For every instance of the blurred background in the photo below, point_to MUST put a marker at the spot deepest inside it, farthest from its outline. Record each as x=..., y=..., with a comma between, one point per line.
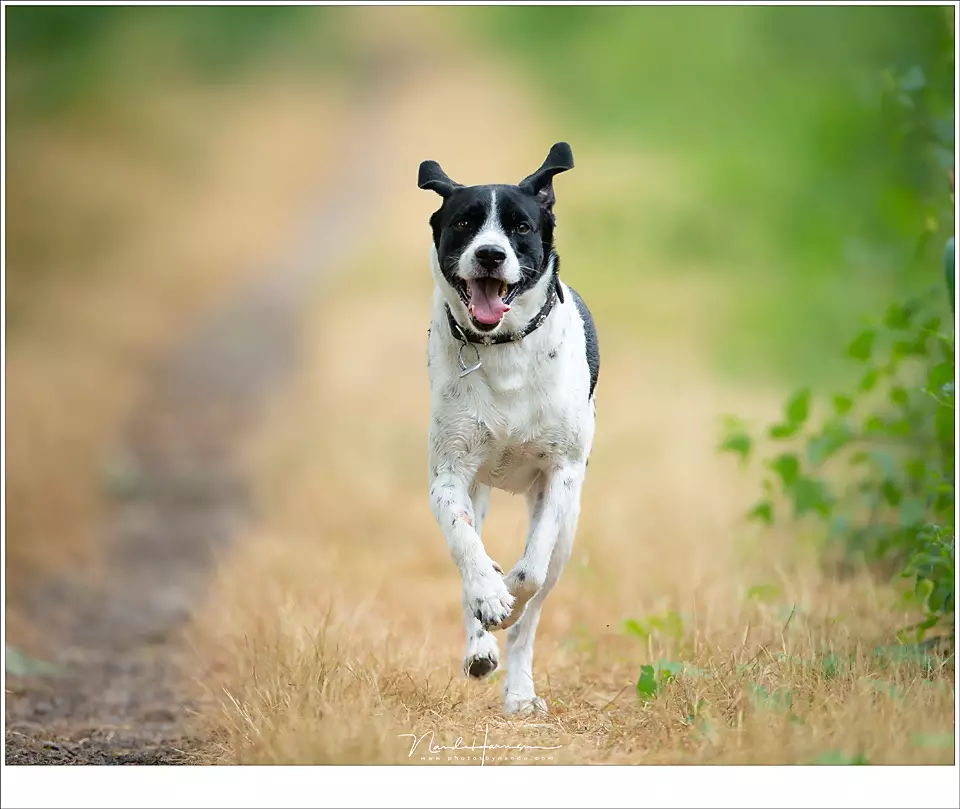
x=753, y=186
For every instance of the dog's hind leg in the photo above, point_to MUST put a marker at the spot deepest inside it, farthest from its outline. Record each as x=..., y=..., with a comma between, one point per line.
x=555, y=511
x=483, y=655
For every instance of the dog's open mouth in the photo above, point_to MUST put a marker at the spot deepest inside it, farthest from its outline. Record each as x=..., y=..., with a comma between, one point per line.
x=487, y=299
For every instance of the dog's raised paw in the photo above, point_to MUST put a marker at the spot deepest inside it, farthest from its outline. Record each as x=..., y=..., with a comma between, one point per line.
x=490, y=602
x=522, y=587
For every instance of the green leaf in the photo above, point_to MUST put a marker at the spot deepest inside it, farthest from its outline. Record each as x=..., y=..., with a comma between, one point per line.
x=869, y=380
x=911, y=348
x=810, y=495
x=899, y=396
x=830, y=666
x=862, y=346
x=670, y=624
x=783, y=430
x=787, y=466
x=875, y=425
x=798, y=407
x=842, y=404
x=945, y=423
x=762, y=511
x=831, y=439
x=891, y=493
x=898, y=317
x=739, y=444
x=940, y=375
x=648, y=686
x=633, y=627
x=668, y=670
x=837, y=758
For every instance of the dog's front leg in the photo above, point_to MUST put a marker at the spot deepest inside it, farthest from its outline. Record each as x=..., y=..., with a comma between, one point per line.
x=485, y=596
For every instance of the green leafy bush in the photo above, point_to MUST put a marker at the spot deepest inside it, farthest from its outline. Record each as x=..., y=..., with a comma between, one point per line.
x=876, y=468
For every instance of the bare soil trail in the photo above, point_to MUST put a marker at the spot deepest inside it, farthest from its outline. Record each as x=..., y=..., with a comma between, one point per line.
x=119, y=696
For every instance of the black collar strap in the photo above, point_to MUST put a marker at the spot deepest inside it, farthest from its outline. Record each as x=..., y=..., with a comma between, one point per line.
x=507, y=337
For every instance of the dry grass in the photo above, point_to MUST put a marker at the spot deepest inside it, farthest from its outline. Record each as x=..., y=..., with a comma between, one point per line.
x=335, y=628
x=123, y=227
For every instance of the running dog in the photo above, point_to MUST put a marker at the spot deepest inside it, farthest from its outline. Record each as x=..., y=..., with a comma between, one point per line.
x=513, y=363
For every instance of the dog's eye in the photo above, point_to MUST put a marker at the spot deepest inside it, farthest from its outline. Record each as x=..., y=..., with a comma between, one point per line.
x=460, y=224
x=523, y=228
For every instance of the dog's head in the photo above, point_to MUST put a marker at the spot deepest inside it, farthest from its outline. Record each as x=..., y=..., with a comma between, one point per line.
x=494, y=243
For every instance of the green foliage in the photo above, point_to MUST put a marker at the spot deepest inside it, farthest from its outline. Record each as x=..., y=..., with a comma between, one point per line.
x=878, y=467
x=653, y=679
x=848, y=113
x=61, y=56
x=839, y=758
x=669, y=625
x=779, y=699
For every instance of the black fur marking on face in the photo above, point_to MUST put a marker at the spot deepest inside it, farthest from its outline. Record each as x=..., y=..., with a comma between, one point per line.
x=521, y=576
x=553, y=354
x=524, y=214
x=592, y=346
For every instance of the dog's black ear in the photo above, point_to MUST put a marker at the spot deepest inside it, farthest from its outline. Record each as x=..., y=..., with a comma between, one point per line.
x=540, y=183
x=434, y=178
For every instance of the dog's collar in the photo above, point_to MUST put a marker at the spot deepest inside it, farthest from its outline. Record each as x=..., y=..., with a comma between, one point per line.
x=508, y=337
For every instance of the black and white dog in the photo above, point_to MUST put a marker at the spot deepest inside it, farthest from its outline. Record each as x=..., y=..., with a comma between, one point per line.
x=513, y=362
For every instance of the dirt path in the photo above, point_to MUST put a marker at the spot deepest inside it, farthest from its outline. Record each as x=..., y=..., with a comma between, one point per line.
x=119, y=697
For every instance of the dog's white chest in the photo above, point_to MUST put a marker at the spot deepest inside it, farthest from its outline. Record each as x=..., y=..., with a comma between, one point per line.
x=526, y=409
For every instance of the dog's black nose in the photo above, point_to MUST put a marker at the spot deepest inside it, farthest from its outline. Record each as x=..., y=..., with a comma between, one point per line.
x=490, y=257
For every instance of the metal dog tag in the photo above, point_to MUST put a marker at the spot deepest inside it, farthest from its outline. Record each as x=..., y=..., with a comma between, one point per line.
x=464, y=368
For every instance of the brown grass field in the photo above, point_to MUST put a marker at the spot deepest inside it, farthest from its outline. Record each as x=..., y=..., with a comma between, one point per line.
x=332, y=630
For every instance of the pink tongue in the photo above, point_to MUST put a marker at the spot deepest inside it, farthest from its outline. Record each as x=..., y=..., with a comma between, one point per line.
x=486, y=305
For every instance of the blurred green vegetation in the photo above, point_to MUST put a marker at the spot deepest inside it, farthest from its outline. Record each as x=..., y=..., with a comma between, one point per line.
x=799, y=136
x=60, y=58
x=812, y=185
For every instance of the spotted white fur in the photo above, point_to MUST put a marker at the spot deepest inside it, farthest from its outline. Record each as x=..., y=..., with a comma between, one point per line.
x=524, y=422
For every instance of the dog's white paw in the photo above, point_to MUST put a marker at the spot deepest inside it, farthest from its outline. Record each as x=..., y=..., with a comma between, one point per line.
x=523, y=704
x=522, y=587
x=482, y=657
x=489, y=599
